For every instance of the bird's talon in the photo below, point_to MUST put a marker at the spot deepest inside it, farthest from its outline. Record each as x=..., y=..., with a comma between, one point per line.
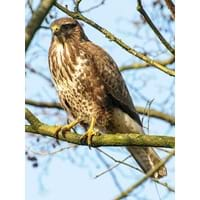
x=88, y=137
x=68, y=127
x=65, y=129
x=58, y=129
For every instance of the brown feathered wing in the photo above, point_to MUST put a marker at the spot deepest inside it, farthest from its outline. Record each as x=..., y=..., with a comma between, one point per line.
x=115, y=86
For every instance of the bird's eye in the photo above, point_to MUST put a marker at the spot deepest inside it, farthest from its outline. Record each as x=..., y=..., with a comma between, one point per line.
x=65, y=26
x=68, y=26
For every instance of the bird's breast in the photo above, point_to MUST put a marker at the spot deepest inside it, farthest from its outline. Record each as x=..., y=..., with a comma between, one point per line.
x=67, y=65
x=78, y=85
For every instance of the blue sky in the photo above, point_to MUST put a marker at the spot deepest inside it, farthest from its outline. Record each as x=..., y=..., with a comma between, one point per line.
x=58, y=177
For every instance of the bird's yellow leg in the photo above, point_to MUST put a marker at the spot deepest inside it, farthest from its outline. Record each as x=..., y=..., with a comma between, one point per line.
x=67, y=127
x=89, y=133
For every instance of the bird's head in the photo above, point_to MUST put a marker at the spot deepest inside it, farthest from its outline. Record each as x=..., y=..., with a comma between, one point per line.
x=67, y=28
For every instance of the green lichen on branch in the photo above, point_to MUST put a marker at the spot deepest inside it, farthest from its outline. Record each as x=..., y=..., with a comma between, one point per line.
x=117, y=139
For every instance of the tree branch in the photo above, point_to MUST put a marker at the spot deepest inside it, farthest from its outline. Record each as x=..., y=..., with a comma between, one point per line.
x=153, y=27
x=77, y=3
x=109, y=35
x=122, y=162
x=43, y=104
x=149, y=112
x=166, y=185
x=145, y=65
x=33, y=70
x=171, y=7
x=117, y=139
x=142, y=180
x=93, y=7
x=156, y=114
x=36, y=20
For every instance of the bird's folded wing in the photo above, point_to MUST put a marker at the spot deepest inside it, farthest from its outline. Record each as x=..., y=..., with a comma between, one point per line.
x=114, y=82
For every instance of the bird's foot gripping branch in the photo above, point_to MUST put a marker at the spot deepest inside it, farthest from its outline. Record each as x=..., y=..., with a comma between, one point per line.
x=126, y=139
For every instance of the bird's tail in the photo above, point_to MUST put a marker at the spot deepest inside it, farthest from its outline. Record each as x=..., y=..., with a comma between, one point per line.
x=147, y=158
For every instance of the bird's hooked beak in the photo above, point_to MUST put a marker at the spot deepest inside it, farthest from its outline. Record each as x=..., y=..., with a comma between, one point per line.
x=55, y=28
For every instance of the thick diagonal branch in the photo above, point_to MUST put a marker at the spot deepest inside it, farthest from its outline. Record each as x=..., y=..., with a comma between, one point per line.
x=117, y=139
x=109, y=35
x=36, y=20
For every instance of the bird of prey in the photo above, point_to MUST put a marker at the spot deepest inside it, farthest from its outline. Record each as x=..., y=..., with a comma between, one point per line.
x=92, y=91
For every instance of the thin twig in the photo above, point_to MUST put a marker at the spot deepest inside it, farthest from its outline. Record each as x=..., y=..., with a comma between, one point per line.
x=171, y=189
x=151, y=112
x=111, y=168
x=32, y=70
x=166, y=185
x=43, y=104
x=156, y=114
x=142, y=180
x=93, y=7
x=148, y=114
x=111, y=172
x=29, y=3
x=145, y=65
x=119, y=161
x=153, y=27
x=78, y=15
x=77, y=3
x=51, y=153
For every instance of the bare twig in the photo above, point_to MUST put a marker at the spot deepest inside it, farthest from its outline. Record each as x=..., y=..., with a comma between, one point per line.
x=50, y=153
x=93, y=7
x=166, y=185
x=145, y=65
x=151, y=112
x=110, y=168
x=38, y=73
x=77, y=3
x=142, y=180
x=78, y=15
x=119, y=162
x=29, y=3
x=111, y=172
x=157, y=114
x=148, y=114
x=153, y=27
x=43, y=104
